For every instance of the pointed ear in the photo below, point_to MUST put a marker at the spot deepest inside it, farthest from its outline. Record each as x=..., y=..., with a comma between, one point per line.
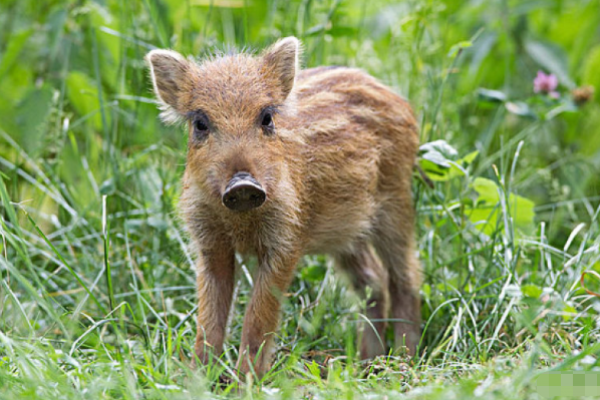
x=170, y=73
x=281, y=62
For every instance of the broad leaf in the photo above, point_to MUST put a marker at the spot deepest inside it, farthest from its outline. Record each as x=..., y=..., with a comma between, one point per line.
x=495, y=96
x=439, y=161
x=487, y=211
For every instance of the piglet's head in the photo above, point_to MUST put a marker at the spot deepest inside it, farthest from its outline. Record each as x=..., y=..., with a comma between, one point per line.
x=232, y=105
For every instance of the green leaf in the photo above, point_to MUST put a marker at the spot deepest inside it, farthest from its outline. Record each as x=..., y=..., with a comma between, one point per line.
x=315, y=370
x=434, y=171
x=568, y=106
x=315, y=30
x=31, y=116
x=463, y=163
x=15, y=45
x=440, y=146
x=339, y=31
x=158, y=222
x=426, y=290
x=313, y=273
x=454, y=50
x=490, y=95
x=83, y=96
x=108, y=187
x=568, y=309
x=519, y=108
x=435, y=159
x=438, y=161
x=531, y=290
x=486, y=213
x=523, y=212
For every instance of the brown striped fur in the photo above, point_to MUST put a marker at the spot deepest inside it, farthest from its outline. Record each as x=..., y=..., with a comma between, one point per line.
x=337, y=173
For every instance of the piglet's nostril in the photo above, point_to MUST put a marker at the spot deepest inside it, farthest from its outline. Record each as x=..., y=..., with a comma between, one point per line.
x=243, y=193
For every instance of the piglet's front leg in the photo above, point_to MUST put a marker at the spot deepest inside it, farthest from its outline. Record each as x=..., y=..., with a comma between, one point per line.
x=262, y=315
x=215, y=283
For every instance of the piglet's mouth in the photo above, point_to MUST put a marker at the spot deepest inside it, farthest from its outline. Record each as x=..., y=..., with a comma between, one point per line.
x=243, y=193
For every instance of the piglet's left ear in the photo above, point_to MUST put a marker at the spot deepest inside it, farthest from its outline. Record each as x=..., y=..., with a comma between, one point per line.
x=281, y=63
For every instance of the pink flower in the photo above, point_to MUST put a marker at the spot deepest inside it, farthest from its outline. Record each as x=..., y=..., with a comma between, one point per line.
x=546, y=84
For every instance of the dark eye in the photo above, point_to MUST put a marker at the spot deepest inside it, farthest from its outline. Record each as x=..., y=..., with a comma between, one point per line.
x=267, y=120
x=200, y=127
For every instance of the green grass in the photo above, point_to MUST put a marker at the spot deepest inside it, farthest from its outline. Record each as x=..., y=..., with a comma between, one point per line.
x=96, y=276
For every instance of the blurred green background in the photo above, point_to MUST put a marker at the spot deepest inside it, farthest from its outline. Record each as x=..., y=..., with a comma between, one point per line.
x=505, y=234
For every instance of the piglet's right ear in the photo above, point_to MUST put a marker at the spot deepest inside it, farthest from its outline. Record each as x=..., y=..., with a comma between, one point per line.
x=170, y=73
x=281, y=62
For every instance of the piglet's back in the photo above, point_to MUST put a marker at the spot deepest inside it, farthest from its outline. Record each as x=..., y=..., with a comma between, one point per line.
x=360, y=142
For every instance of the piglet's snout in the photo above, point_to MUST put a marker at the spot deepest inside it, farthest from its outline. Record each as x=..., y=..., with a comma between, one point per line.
x=243, y=193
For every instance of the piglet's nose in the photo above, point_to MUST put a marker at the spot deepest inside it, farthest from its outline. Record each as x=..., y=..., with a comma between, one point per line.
x=243, y=193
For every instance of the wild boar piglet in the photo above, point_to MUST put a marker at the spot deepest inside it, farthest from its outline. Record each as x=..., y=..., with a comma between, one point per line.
x=283, y=162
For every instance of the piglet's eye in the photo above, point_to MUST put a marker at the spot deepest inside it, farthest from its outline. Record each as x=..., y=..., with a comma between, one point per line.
x=267, y=120
x=201, y=128
x=200, y=125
